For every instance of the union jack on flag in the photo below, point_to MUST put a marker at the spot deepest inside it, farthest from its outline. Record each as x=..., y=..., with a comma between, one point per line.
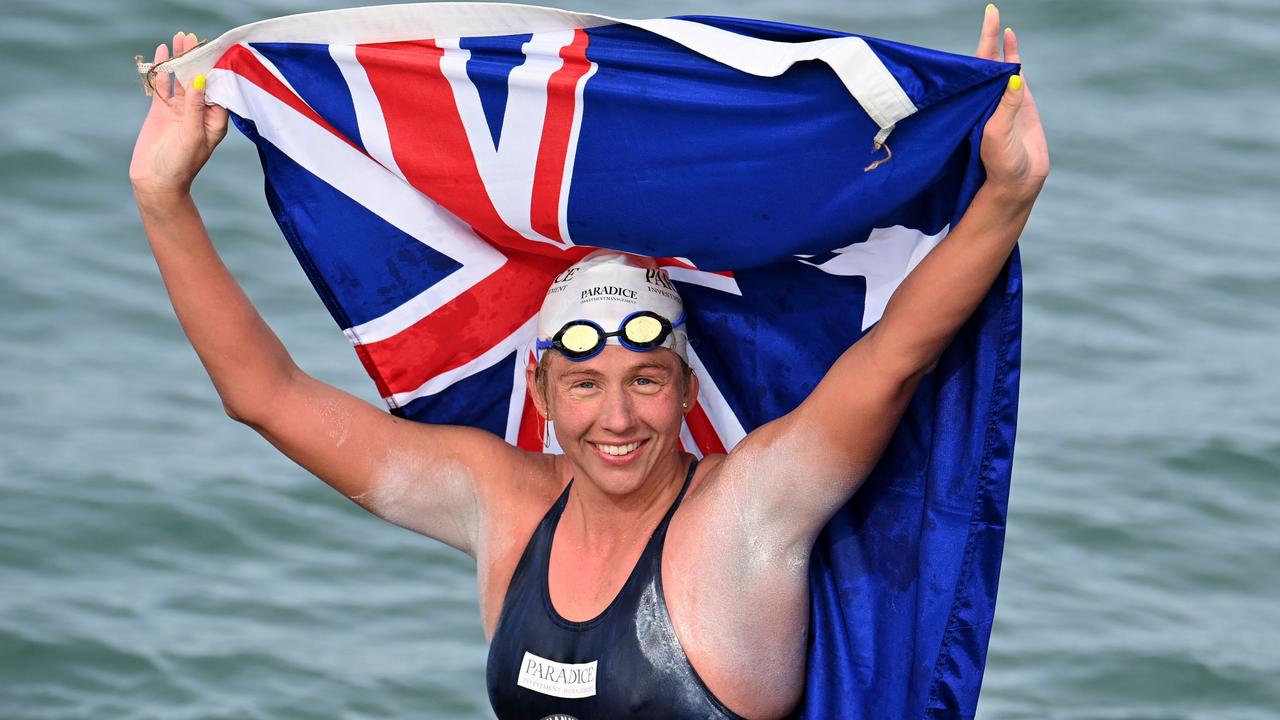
x=434, y=167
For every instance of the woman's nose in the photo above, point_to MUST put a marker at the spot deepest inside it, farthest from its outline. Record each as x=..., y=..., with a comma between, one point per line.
x=617, y=415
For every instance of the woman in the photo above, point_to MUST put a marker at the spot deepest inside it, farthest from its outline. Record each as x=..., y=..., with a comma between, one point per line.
x=653, y=586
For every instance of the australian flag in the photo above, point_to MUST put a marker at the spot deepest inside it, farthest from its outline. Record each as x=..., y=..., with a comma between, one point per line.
x=433, y=167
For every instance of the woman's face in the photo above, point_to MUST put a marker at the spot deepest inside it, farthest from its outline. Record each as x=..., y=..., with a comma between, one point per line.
x=618, y=415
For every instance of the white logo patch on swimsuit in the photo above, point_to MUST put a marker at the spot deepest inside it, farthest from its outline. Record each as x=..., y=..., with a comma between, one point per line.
x=557, y=679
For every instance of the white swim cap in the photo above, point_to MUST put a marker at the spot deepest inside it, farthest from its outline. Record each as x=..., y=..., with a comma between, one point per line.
x=606, y=288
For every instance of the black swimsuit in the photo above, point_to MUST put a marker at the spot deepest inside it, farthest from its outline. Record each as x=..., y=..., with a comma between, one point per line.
x=624, y=663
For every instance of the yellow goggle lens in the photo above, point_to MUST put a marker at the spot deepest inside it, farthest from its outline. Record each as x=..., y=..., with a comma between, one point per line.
x=643, y=329
x=580, y=338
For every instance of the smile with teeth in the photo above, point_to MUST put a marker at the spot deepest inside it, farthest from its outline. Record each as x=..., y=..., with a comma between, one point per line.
x=618, y=450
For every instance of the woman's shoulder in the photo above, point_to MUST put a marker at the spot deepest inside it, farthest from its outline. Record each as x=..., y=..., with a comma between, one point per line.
x=524, y=486
x=705, y=475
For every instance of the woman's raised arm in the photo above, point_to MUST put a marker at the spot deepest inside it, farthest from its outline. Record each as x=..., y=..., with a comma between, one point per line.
x=944, y=290
x=811, y=461
x=432, y=479
x=243, y=356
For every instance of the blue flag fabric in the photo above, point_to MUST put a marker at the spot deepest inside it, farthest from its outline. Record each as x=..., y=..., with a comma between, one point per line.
x=433, y=167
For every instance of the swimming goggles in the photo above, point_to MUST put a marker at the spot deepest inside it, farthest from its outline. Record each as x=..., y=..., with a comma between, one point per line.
x=641, y=331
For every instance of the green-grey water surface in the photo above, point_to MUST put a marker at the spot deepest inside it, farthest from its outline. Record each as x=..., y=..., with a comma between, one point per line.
x=160, y=561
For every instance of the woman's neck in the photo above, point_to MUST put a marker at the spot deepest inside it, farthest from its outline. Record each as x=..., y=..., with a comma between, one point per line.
x=603, y=521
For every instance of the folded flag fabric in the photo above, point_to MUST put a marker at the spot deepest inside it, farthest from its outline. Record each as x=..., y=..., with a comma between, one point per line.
x=434, y=166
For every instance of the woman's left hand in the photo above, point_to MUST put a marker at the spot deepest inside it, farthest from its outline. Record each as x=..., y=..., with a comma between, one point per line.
x=1014, y=151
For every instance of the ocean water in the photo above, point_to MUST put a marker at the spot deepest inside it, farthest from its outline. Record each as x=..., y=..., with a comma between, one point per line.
x=160, y=561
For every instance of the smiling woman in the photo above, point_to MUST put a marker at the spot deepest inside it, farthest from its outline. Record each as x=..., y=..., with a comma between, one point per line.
x=618, y=409
x=622, y=578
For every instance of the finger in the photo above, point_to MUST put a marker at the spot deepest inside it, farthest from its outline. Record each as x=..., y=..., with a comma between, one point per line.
x=185, y=42
x=193, y=104
x=1011, y=101
x=1028, y=113
x=989, y=39
x=161, y=90
x=1011, y=54
x=179, y=47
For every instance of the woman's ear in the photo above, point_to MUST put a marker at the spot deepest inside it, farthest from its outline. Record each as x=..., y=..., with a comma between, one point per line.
x=531, y=380
x=691, y=391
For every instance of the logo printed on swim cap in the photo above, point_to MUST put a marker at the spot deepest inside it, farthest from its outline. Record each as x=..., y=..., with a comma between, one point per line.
x=659, y=276
x=659, y=283
x=621, y=292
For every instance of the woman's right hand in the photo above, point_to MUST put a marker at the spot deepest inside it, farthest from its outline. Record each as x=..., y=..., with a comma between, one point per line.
x=178, y=135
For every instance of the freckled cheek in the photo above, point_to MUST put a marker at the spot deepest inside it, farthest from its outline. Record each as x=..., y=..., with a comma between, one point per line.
x=660, y=413
x=574, y=416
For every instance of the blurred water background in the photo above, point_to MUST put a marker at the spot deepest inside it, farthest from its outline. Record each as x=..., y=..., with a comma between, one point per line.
x=160, y=561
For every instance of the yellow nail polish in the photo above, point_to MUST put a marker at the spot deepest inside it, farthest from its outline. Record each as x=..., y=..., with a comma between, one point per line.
x=1015, y=82
x=198, y=83
x=1008, y=30
x=990, y=7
